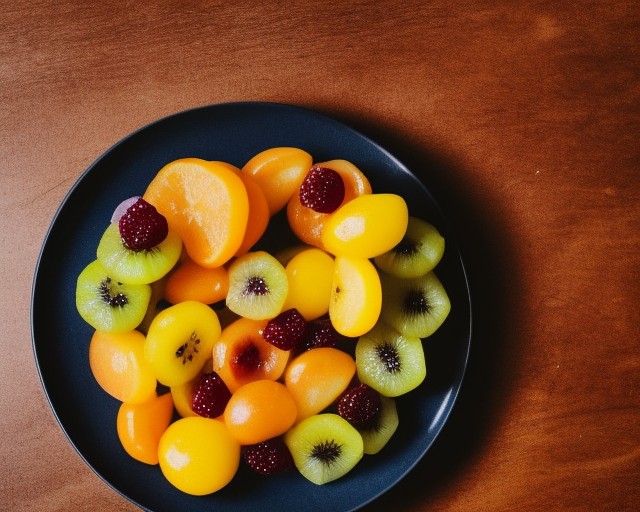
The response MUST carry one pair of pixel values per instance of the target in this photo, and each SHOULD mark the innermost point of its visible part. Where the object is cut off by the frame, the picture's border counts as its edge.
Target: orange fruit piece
(206, 204)
(259, 213)
(242, 355)
(259, 411)
(118, 364)
(140, 427)
(190, 281)
(279, 171)
(317, 377)
(306, 223)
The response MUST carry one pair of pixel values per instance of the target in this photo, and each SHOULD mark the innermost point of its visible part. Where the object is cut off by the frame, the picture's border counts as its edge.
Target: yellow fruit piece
(366, 226)
(140, 427)
(198, 455)
(279, 172)
(180, 340)
(317, 377)
(310, 275)
(259, 411)
(356, 296)
(206, 204)
(118, 364)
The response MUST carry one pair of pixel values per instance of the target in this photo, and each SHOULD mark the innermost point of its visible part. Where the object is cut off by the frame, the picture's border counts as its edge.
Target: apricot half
(206, 204)
(242, 355)
(118, 364)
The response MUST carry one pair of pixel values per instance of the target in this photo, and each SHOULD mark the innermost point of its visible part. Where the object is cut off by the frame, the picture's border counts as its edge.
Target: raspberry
(286, 330)
(142, 227)
(269, 457)
(321, 333)
(210, 395)
(322, 190)
(360, 406)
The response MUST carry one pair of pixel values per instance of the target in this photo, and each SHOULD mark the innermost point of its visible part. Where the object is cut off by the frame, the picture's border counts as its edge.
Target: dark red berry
(320, 333)
(142, 227)
(360, 406)
(286, 330)
(269, 457)
(322, 190)
(210, 395)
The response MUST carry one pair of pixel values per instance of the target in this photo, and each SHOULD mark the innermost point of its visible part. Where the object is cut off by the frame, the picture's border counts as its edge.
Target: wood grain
(523, 118)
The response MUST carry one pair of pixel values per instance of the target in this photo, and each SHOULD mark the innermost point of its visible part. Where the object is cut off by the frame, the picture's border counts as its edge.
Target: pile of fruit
(222, 354)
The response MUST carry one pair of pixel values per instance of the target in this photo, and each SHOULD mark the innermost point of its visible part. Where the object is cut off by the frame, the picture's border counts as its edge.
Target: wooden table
(527, 115)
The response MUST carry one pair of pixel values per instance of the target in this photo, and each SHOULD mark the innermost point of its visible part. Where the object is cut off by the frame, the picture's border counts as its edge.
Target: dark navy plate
(233, 133)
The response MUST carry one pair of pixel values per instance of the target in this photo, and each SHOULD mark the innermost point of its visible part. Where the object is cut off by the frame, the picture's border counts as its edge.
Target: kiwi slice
(258, 286)
(137, 267)
(419, 251)
(324, 447)
(391, 363)
(415, 307)
(108, 304)
(377, 435)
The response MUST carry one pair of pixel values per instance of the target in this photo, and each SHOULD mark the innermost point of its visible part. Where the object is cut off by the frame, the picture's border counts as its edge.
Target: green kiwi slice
(419, 251)
(376, 436)
(415, 307)
(324, 447)
(390, 362)
(108, 304)
(137, 267)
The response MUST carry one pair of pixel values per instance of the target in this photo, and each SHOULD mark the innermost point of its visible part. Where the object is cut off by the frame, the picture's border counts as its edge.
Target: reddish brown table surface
(526, 115)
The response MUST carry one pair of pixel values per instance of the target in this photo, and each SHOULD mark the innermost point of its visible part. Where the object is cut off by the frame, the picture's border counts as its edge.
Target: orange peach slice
(279, 172)
(242, 355)
(190, 281)
(140, 427)
(118, 364)
(206, 204)
(317, 377)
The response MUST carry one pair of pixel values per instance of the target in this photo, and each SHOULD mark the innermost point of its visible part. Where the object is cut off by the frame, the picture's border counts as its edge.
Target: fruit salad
(223, 354)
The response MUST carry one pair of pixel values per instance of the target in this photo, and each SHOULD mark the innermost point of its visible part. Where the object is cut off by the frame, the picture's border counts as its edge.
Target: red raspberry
(322, 190)
(360, 406)
(269, 457)
(210, 395)
(142, 227)
(321, 333)
(286, 330)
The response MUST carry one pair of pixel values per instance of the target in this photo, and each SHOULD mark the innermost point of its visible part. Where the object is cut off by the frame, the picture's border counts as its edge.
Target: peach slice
(306, 223)
(118, 364)
(206, 204)
(279, 172)
(140, 427)
(190, 281)
(260, 410)
(366, 226)
(242, 355)
(356, 296)
(318, 377)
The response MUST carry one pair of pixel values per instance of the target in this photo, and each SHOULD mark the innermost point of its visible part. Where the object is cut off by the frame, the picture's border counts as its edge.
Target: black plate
(233, 133)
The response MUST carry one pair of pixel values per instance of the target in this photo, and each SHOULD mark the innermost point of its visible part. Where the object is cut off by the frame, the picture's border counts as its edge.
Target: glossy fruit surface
(310, 276)
(142, 227)
(317, 377)
(306, 223)
(279, 172)
(206, 204)
(118, 364)
(366, 226)
(356, 297)
(322, 190)
(190, 281)
(242, 355)
(140, 427)
(258, 411)
(270, 457)
(180, 340)
(198, 455)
